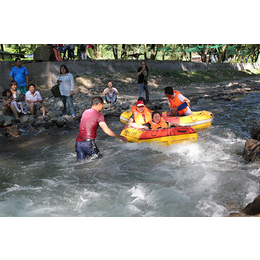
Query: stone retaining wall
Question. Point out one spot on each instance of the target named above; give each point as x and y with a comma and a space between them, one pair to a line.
46, 73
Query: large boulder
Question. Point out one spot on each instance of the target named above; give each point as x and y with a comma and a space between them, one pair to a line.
252, 150
252, 208
44, 53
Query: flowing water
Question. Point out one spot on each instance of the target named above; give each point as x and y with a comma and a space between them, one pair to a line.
39, 175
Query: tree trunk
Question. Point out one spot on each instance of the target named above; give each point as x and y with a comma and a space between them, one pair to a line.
2, 49
123, 52
223, 53
100, 51
163, 53
95, 51
183, 51
145, 55
173, 51
115, 51
152, 56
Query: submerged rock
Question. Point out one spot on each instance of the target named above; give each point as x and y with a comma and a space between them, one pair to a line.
12, 130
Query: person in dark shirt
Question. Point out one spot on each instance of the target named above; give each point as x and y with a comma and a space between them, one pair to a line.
142, 73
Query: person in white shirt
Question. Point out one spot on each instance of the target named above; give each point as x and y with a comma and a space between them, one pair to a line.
66, 85
34, 101
110, 93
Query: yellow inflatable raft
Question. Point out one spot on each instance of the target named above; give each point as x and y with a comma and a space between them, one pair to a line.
199, 119
164, 136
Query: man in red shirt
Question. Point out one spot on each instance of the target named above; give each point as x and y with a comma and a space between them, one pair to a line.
91, 119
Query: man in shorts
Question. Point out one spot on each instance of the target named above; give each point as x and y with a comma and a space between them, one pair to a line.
20, 74
34, 101
91, 119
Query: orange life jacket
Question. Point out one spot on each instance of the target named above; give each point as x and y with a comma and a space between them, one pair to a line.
141, 118
175, 102
133, 108
161, 124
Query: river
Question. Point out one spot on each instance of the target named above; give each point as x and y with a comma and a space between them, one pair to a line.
39, 175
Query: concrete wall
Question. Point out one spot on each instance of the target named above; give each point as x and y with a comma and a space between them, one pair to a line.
46, 73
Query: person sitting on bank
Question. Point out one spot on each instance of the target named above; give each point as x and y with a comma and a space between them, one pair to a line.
177, 103
141, 115
34, 101
110, 93
158, 122
9, 105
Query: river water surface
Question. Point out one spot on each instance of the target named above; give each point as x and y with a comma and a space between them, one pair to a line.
39, 175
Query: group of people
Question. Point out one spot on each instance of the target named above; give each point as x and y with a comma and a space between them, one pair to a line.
141, 118
70, 48
85, 145
13, 97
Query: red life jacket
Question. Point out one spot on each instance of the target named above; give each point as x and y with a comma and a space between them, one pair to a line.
176, 102
161, 124
141, 118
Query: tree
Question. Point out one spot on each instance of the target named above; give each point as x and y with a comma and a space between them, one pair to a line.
123, 52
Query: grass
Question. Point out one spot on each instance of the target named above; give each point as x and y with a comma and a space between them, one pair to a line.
210, 76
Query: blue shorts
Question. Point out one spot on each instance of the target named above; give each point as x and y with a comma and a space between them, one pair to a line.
87, 147
23, 89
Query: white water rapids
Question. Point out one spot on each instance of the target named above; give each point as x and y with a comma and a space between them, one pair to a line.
39, 175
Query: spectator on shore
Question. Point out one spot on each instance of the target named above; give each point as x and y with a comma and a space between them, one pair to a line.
142, 74
90, 51
71, 52
8, 105
20, 74
110, 93
56, 51
66, 84
34, 101
82, 49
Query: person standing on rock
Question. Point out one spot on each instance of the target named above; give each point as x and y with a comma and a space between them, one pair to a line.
20, 74
66, 85
92, 118
142, 74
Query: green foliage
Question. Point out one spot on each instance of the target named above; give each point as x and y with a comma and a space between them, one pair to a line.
164, 51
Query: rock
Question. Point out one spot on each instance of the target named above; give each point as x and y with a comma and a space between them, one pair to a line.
44, 53
61, 121
53, 114
1, 120
8, 120
255, 132
12, 130
24, 119
125, 105
252, 208
252, 150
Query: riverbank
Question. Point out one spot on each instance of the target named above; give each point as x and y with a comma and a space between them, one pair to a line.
228, 85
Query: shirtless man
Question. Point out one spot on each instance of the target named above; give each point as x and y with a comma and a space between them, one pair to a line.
91, 119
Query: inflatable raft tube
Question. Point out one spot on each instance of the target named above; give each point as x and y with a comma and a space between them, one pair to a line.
199, 119
164, 136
